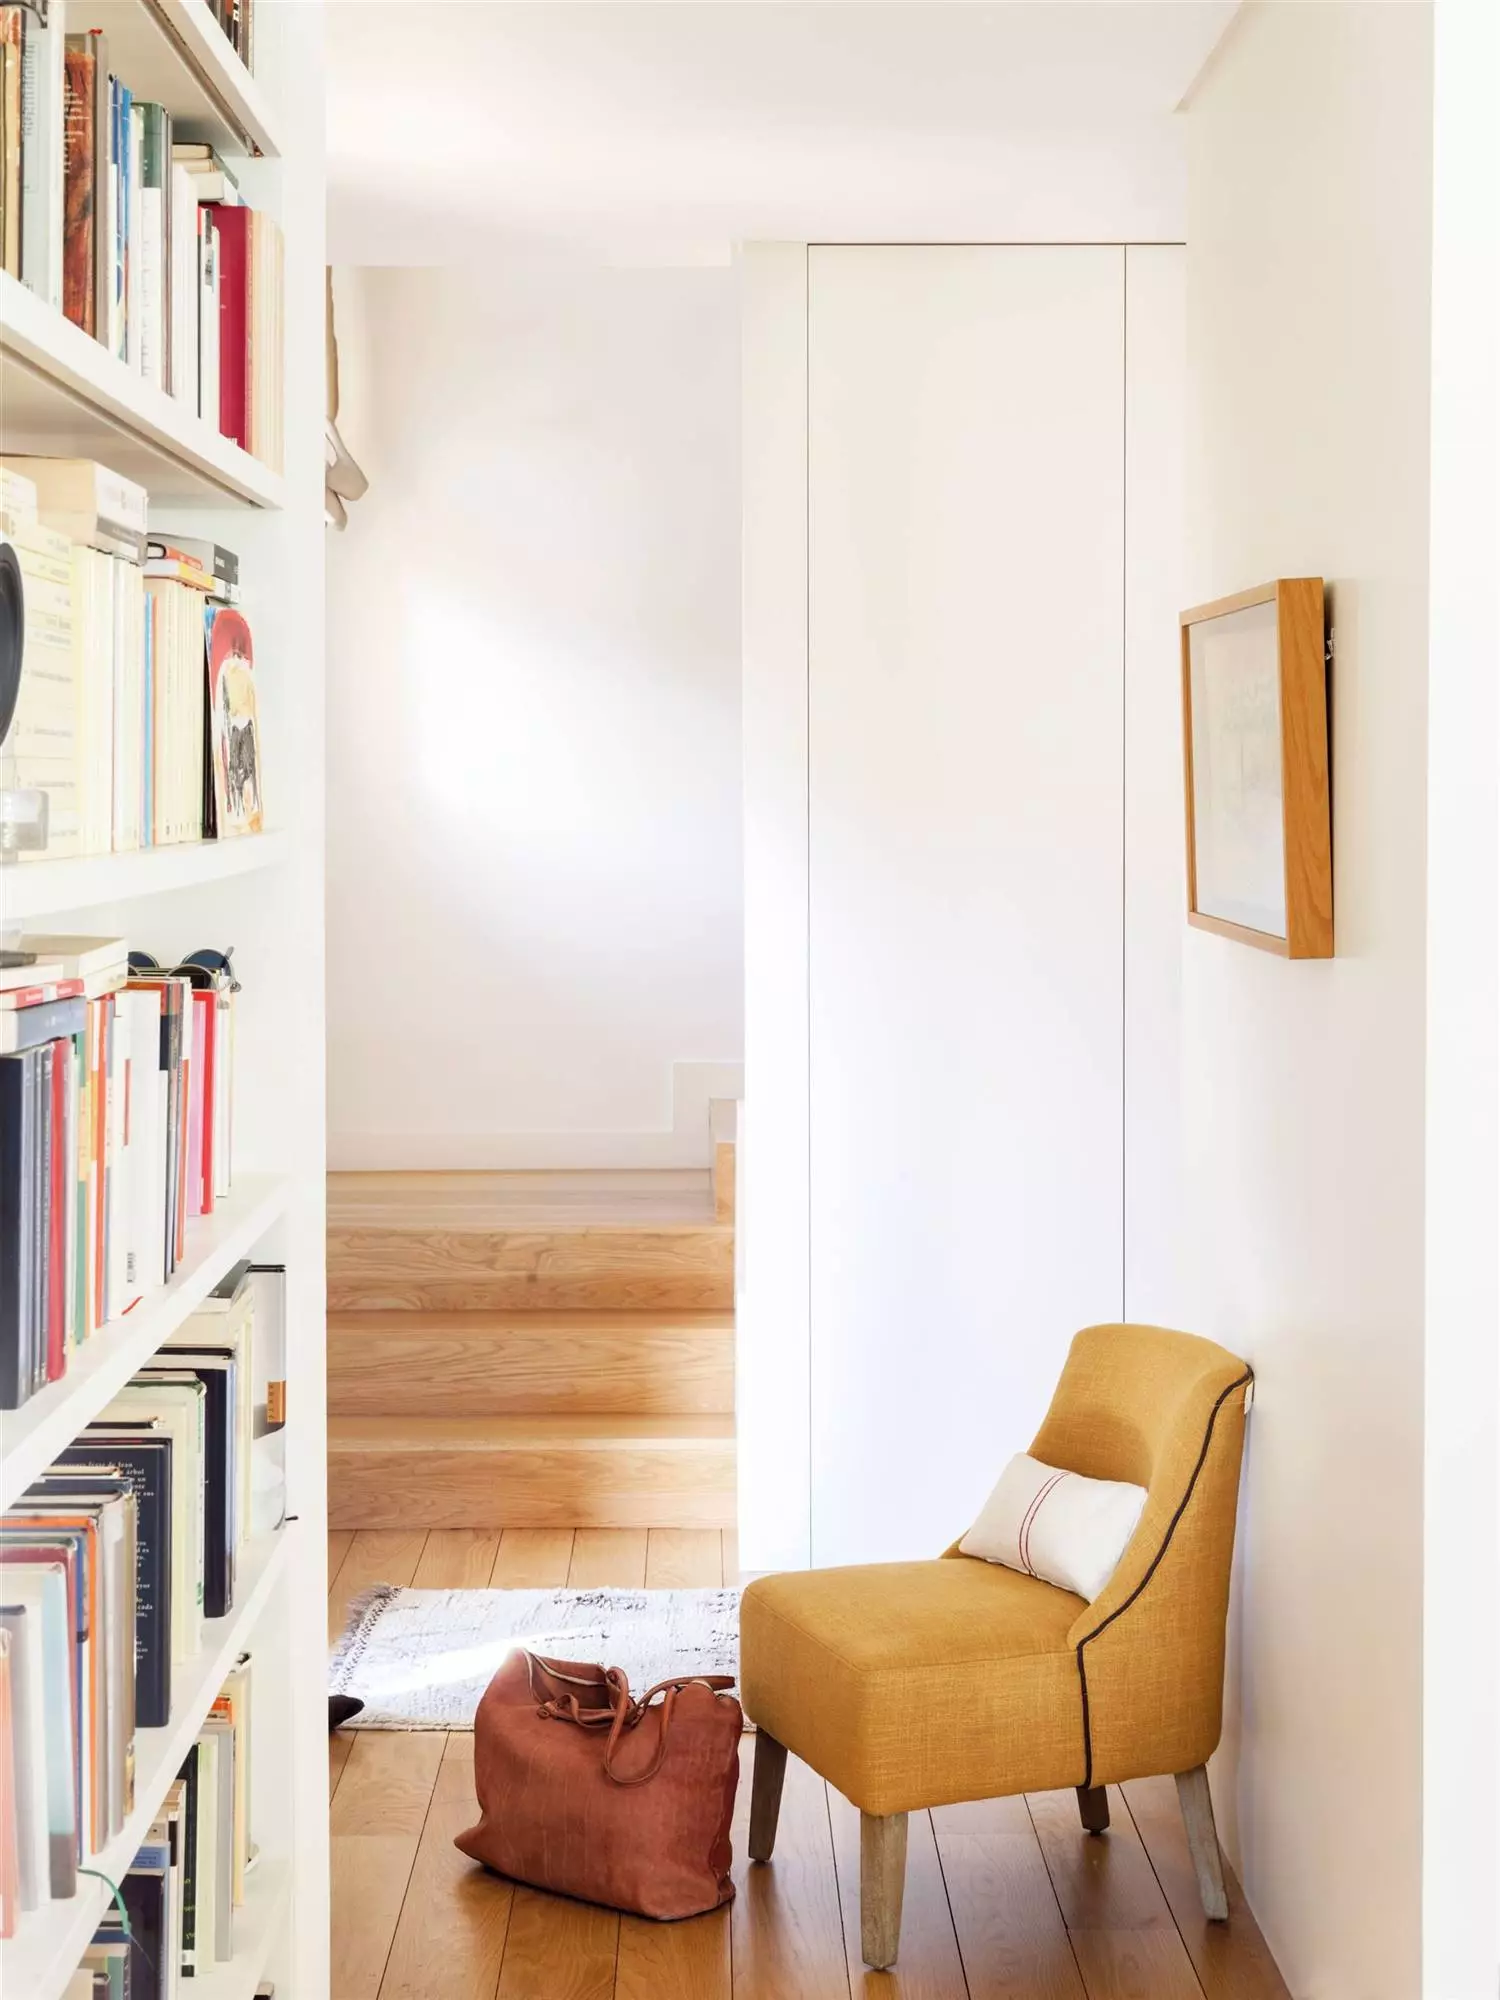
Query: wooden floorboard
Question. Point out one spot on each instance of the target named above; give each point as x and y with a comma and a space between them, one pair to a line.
451, 1935
684, 1558
787, 1928
1123, 1934
376, 1823
608, 1558
1010, 1930
457, 1559
1233, 1960
558, 1950
532, 1559
375, 1555
929, 1966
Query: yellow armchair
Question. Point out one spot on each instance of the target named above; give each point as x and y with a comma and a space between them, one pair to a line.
918, 1684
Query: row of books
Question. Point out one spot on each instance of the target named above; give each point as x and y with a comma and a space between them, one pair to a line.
137, 716
116, 1130
110, 1564
138, 237
182, 1889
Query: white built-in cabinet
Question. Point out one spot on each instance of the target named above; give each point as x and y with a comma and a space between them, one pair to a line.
963, 835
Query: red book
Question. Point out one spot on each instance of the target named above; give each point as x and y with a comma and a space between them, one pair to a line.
235, 251
57, 1222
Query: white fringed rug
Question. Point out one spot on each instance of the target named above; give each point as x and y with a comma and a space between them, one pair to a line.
420, 1659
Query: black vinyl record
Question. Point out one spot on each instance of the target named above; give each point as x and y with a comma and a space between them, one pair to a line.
12, 624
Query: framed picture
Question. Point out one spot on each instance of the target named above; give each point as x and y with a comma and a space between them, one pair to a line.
1255, 746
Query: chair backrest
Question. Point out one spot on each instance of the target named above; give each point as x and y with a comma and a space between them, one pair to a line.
1166, 1411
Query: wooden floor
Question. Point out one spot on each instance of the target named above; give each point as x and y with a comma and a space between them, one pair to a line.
1005, 1900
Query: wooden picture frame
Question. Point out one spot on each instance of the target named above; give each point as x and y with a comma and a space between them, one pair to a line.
1255, 759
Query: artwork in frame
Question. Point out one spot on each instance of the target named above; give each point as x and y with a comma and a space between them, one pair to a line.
1255, 748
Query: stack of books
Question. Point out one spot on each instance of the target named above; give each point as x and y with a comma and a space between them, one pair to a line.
116, 1130
109, 1566
123, 646
141, 241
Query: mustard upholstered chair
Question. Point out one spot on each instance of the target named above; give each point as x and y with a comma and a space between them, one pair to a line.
919, 1684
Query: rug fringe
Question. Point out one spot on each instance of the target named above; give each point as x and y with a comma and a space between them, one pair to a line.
350, 1650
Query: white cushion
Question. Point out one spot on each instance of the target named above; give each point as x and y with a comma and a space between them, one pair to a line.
1057, 1525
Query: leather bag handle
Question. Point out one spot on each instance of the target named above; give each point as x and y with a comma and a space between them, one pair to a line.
623, 1712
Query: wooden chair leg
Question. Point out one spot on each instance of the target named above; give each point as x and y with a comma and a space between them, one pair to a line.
882, 1879
765, 1794
1093, 1808
1203, 1840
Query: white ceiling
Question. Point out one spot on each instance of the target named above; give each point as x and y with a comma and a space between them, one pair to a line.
667, 132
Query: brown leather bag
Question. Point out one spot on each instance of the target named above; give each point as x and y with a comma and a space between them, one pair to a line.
587, 1791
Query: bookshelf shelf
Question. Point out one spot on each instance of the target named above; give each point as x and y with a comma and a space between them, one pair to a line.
173, 52
45, 888
66, 396
38, 1961
31, 1437
256, 1925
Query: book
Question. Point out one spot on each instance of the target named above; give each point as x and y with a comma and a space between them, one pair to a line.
85, 163
87, 502
209, 560
156, 248
41, 1589
144, 1456
41, 123
234, 724
10, 139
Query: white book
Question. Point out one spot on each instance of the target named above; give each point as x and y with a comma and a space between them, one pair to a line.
152, 290
148, 1111
43, 1590
186, 279
178, 1410
121, 1291
41, 155
28, 1681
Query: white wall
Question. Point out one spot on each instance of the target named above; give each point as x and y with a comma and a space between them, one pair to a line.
966, 553
961, 1068
1461, 1580
534, 791
1309, 229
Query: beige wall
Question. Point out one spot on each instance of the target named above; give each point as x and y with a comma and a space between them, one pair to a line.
1308, 327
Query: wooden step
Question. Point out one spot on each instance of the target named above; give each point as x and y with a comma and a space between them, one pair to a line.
526, 1242
436, 1364
531, 1472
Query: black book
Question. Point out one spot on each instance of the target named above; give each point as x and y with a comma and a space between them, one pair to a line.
144, 1892
189, 1777
216, 1373
15, 1236
145, 1461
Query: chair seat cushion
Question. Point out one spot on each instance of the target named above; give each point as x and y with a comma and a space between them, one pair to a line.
917, 1684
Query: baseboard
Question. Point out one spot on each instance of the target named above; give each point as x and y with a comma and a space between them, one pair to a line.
688, 1142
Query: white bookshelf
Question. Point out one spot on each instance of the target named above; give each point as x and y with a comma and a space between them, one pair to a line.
61, 393
67, 396
39, 887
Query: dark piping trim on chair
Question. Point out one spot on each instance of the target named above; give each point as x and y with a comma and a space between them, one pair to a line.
1166, 1543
